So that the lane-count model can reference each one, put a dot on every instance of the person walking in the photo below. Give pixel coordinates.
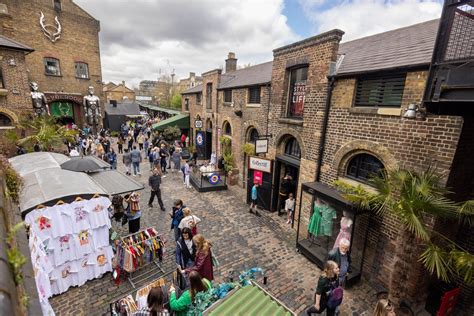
(254, 203)
(342, 257)
(328, 281)
(163, 155)
(154, 181)
(136, 160)
(183, 140)
(290, 208)
(176, 217)
(185, 249)
(133, 212)
(146, 147)
(176, 158)
(203, 263)
(127, 161)
(181, 306)
(151, 159)
(140, 141)
(120, 142)
(189, 221)
(187, 172)
(112, 158)
(130, 142)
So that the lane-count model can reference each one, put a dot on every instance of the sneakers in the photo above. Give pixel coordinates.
(250, 210)
(257, 213)
(163, 210)
(150, 205)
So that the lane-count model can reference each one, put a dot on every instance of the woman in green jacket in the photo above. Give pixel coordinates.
(197, 284)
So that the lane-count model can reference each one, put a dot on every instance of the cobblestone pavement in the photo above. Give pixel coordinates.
(241, 240)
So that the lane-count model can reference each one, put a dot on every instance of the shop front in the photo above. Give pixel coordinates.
(324, 218)
(260, 171)
(66, 107)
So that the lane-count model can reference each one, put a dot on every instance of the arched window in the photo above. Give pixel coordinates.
(364, 166)
(5, 121)
(292, 148)
(253, 135)
(227, 129)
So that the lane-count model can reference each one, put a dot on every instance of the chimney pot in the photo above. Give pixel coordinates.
(230, 62)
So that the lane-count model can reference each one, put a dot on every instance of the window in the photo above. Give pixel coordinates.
(364, 166)
(209, 96)
(227, 129)
(198, 98)
(5, 121)
(227, 96)
(186, 104)
(292, 148)
(57, 5)
(82, 71)
(297, 91)
(254, 95)
(2, 85)
(380, 91)
(51, 67)
(253, 135)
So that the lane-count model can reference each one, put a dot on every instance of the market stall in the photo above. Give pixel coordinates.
(207, 178)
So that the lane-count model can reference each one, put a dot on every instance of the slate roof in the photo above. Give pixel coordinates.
(9, 43)
(254, 75)
(195, 89)
(407, 46)
(124, 108)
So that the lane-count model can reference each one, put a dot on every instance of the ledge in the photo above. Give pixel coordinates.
(378, 111)
(3, 92)
(253, 105)
(292, 121)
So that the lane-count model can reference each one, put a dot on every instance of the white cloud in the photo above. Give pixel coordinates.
(358, 18)
(141, 37)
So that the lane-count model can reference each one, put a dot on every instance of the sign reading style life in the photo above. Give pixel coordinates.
(261, 146)
(260, 164)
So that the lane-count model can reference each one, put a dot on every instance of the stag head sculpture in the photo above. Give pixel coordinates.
(53, 33)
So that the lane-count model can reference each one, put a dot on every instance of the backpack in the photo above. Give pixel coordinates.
(335, 297)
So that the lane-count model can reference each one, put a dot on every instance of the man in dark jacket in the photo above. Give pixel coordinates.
(155, 182)
(342, 257)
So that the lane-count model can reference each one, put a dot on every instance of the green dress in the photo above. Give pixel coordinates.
(328, 215)
(314, 227)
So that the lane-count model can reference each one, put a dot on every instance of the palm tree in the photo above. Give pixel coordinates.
(415, 198)
(45, 132)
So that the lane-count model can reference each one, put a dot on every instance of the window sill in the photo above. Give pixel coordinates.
(253, 105)
(3, 92)
(356, 183)
(83, 78)
(380, 111)
(288, 120)
(51, 75)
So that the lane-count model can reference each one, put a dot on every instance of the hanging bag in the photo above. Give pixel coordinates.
(335, 297)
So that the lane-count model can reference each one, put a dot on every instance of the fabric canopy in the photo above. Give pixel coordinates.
(160, 109)
(180, 120)
(45, 183)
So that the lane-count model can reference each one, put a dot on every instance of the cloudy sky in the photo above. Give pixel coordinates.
(143, 39)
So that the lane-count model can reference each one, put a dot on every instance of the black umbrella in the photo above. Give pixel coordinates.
(85, 164)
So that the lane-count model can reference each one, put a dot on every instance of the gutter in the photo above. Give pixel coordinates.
(324, 128)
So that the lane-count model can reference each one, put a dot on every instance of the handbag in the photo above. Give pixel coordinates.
(335, 297)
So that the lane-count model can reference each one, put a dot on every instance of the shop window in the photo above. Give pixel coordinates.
(5, 121)
(380, 91)
(227, 129)
(209, 96)
(364, 166)
(198, 98)
(51, 66)
(292, 148)
(227, 96)
(57, 5)
(186, 104)
(297, 90)
(82, 70)
(253, 135)
(254, 95)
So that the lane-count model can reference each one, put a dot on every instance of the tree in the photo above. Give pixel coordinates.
(415, 198)
(172, 133)
(176, 101)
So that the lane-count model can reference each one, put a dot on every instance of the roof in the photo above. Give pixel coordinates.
(249, 300)
(180, 120)
(407, 46)
(124, 108)
(161, 109)
(195, 89)
(45, 182)
(119, 88)
(9, 43)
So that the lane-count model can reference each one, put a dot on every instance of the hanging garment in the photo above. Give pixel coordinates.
(314, 227)
(98, 212)
(100, 237)
(78, 214)
(64, 249)
(63, 277)
(344, 232)
(328, 214)
(83, 243)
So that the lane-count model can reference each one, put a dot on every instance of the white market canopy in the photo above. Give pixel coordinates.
(45, 183)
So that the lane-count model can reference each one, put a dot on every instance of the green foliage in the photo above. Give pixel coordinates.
(114, 133)
(414, 198)
(12, 179)
(14, 256)
(176, 101)
(228, 162)
(226, 143)
(192, 149)
(248, 149)
(172, 132)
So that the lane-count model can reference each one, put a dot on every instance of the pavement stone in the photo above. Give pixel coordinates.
(240, 241)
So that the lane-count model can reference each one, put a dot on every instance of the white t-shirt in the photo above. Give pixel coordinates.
(83, 242)
(78, 214)
(86, 268)
(102, 260)
(100, 237)
(189, 221)
(290, 205)
(64, 249)
(98, 212)
(63, 277)
(46, 223)
(43, 285)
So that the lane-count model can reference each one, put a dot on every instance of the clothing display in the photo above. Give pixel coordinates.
(328, 214)
(314, 227)
(345, 231)
(69, 245)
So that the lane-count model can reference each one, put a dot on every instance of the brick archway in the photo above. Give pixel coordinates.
(356, 147)
(283, 136)
(10, 114)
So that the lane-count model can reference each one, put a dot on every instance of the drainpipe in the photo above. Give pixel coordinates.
(324, 129)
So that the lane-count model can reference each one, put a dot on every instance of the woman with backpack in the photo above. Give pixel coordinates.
(328, 293)
(190, 221)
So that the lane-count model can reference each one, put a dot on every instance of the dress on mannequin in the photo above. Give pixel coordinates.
(314, 227)
(345, 232)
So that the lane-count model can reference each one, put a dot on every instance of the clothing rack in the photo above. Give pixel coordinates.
(136, 251)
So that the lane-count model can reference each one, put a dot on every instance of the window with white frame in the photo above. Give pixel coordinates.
(51, 66)
(82, 70)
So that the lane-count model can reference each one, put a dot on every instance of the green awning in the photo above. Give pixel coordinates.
(160, 109)
(181, 120)
(250, 301)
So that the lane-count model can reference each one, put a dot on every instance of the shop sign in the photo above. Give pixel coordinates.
(61, 109)
(261, 146)
(260, 164)
(199, 139)
(198, 124)
(214, 179)
(50, 97)
(258, 177)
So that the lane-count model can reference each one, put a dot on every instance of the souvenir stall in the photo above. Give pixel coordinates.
(207, 178)
(323, 219)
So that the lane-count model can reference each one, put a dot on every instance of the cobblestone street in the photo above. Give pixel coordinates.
(240, 239)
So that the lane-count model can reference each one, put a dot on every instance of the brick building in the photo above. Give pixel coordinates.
(118, 92)
(190, 82)
(66, 57)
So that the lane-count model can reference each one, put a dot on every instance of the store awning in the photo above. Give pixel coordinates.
(160, 109)
(180, 120)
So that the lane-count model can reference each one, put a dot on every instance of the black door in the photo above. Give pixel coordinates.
(280, 171)
(200, 141)
(264, 191)
(208, 145)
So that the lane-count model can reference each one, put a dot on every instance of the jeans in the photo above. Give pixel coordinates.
(186, 181)
(114, 165)
(136, 167)
(156, 193)
(163, 165)
(177, 233)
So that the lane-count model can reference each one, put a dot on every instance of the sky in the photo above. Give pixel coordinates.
(146, 39)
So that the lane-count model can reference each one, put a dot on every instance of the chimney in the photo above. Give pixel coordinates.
(192, 74)
(230, 63)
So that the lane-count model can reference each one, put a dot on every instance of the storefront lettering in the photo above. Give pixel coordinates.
(70, 97)
(260, 164)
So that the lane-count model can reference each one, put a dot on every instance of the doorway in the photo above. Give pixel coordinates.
(284, 166)
(264, 191)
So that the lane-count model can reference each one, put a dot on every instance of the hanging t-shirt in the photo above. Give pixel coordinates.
(98, 212)
(83, 243)
(101, 237)
(78, 214)
(102, 260)
(39, 259)
(328, 214)
(86, 268)
(63, 277)
(64, 249)
(43, 285)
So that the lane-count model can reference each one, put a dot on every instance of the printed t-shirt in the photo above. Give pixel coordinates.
(189, 222)
(102, 260)
(98, 214)
(46, 223)
(83, 243)
(43, 285)
(100, 237)
(64, 249)
(78, 215)
(63, 277)
(86, 268)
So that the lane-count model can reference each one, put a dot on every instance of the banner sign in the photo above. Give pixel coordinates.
(62, 109)
(199, 139)
(297, 102)
(261, 146)
(260, 164)
(214, 179)
(257, 177)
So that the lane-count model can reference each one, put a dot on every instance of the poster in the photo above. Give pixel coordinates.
(257, 177)
(297, 102)
(199, 139)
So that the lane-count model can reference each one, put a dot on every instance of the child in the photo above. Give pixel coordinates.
(253, 204)
(290, 208)
(151, 159)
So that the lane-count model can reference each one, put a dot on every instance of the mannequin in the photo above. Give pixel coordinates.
(92, 109)
(346, 229)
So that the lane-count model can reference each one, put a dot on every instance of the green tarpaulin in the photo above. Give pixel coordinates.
(160, 109)
(180, 120)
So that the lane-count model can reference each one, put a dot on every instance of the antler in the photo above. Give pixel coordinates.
(43, 27)
(57, 35)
